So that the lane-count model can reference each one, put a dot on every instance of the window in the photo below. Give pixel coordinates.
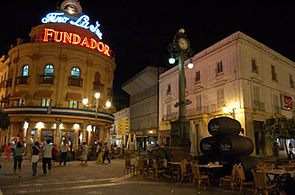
(20, 102)
(73, 104)
(45, 102)
(219, 68)
(49, 70)
(256, 93)
(25, 71)
(291, 81)
(198, 77)
(199, 102)
(220, 98)
(75, 72)
(273, 73)
(254, 66)
(277, 108)
(168, 89)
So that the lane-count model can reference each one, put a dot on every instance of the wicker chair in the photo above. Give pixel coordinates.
(260, 182)
(241, 179)
(156, 170)
(183, 170)
(200, 177)
(140, 167)
(229, 179)
(128, 166)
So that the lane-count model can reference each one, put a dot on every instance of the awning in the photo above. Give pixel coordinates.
(43, 94)
(18, 95)
(74, 96)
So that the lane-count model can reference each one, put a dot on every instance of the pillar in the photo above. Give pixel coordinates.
(57, 133)
(28, 138)
(84, 134)
(76, 140)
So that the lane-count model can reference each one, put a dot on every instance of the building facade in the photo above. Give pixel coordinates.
(143, 90)
(237, 77)
(44, 81)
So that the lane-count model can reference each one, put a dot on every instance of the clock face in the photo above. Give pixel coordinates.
(183, 44)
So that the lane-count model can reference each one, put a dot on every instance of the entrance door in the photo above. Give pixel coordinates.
(259, 137)
(47, 135)
(68, 138)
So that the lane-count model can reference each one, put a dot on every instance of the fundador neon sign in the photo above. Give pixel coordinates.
(82, 21)
(51, 35)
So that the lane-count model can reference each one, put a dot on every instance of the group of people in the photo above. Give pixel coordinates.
(48, 151)
(102, 153)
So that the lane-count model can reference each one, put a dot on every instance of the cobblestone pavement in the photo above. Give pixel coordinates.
(92, 179)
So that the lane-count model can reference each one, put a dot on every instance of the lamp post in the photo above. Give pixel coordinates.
(180, 50)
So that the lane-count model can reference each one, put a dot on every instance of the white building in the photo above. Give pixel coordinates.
(252, 81)
(116, 137)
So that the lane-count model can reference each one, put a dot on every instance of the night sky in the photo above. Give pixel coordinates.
(139, 31)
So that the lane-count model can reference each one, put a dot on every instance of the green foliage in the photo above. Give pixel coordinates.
(280, 128)
(159, 154)
(4, 120)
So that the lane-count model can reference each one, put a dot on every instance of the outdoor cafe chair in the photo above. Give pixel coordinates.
(183, 170)
(141, 167)
(241, 177)
(197, 175)
(157, 171)
(229, 179)
(261, 183)
(128, 166)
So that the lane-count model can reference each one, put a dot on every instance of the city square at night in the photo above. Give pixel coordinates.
(105, 97)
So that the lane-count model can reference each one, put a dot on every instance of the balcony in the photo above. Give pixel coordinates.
(75, 81)
(170, 116)
(197, 110)
(46, 79)
(21, 80)
(98, 86)
(257, 105)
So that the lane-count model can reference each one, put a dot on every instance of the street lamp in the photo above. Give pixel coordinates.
(180, 50)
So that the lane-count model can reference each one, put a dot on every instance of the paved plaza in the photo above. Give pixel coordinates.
(92, 179)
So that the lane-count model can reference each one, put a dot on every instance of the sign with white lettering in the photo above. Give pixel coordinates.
(82, 21)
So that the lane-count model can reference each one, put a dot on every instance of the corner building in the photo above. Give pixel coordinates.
(44, 81)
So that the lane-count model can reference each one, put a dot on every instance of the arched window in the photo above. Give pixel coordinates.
(49, 70)
(75, 72)
(25, 71)
(97, 78)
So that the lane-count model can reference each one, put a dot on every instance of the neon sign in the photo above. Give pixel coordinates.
(51, 35)
(82, 21)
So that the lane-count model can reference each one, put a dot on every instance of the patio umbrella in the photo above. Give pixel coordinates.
(128, 142)
(192, 136)
(134, 142)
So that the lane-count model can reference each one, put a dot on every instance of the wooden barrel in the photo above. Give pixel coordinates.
(224, 126)
(209, 145)
(235, 145)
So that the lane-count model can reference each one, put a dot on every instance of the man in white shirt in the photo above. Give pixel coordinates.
(47, 155)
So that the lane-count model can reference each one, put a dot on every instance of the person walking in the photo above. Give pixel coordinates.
(84, 153)
(106, 153)
(63, 153)
(35, 157)
(47, 155)
(8, 150)
(291, 151)
(100, 153)
(18, 158)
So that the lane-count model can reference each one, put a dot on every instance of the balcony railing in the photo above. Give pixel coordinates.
(98, 86)
(171, 116)
(75, 81)
(257, 105)
(46, 79)
(197, 110)
(21, 80)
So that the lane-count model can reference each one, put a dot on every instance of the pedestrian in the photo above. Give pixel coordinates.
(100, 153)
(84, 153)
(63, 153)
(47, 155)
(290, 151)
(8, 150)
(54, 154)
(106, 153)
(18, 158)
(35, 157)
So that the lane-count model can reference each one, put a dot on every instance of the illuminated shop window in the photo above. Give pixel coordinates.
(73, 104)
(25, 71)
(45, 102)
(49, 70)
(21, 102)
(75, 72)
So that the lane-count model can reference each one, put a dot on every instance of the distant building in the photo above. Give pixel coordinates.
(143, 90)
(237, 77)
(44, 81)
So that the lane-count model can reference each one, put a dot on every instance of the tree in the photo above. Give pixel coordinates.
(280, 128)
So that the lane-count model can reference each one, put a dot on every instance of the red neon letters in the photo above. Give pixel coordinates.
(75, 39)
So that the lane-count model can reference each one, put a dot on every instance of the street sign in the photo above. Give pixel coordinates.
(123, 127)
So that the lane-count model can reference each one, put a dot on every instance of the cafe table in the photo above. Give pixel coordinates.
(278, 176)
(210, 168)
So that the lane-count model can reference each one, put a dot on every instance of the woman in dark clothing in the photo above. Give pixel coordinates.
(35, 157)
(18, 158)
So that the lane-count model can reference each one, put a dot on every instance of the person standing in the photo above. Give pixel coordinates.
(47, 155)
(8, 150)
(100, 153)
(35, 157)
(84, 153)
(291, 150)
(18, 158)
(54, 154)
(106, 153)
(63, 153)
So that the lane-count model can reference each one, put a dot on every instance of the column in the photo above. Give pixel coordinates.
(76, 140)
(84, 127)
(9, 135)
(28, 138)
(57, 133)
